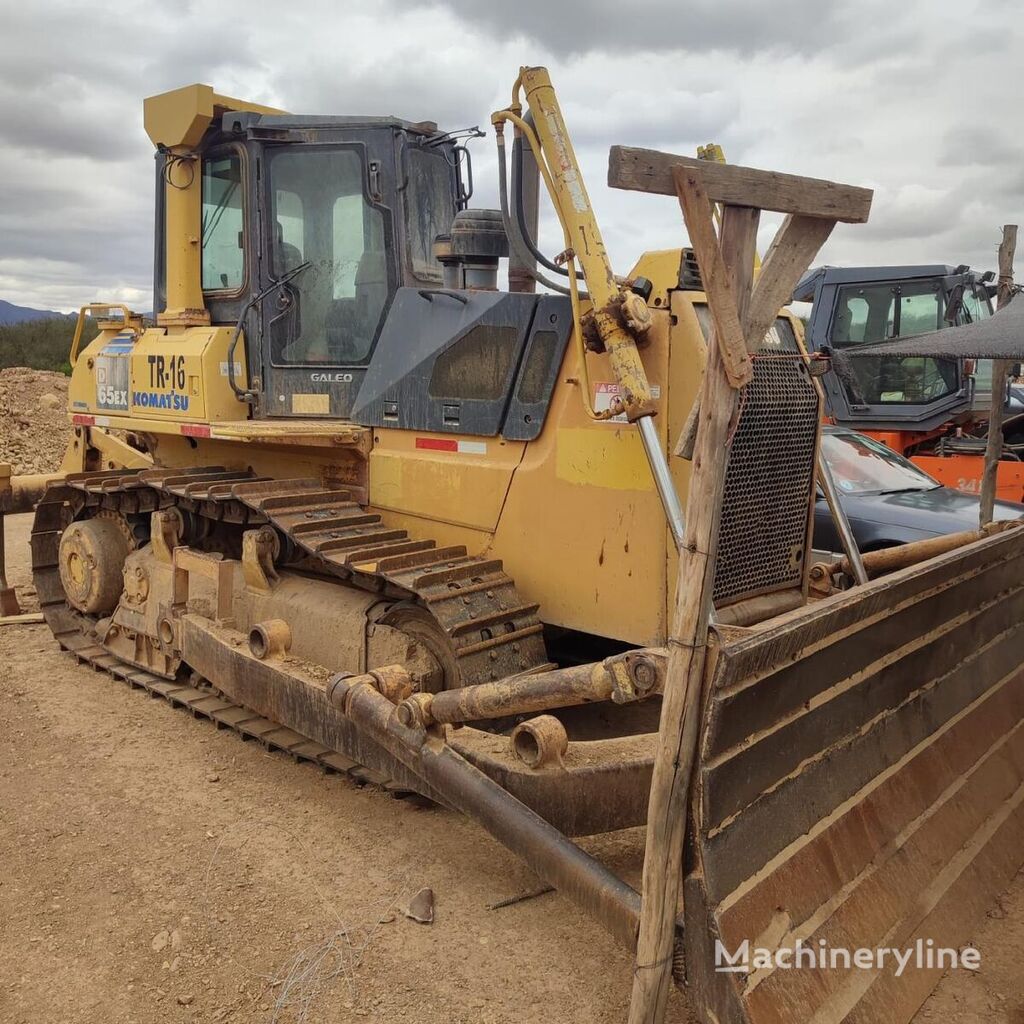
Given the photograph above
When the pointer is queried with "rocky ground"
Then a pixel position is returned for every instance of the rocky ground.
(33, 419)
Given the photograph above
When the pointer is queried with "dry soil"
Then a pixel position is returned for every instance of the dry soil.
(154, 869)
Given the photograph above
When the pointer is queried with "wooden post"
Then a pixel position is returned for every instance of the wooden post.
(1000, 372)
(680, 716)
(8, 598)
(740, 318)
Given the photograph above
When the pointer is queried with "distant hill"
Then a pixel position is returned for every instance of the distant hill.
(12, 314)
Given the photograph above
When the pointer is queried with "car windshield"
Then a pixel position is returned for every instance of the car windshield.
(861, 465)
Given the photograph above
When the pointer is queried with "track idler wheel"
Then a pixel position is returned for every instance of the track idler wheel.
(91, 559)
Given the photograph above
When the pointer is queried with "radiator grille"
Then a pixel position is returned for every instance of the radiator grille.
(762, 544)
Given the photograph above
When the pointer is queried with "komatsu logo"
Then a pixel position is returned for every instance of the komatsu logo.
(153, 400)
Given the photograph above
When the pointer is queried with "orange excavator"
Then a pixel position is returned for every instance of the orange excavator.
(933, 410)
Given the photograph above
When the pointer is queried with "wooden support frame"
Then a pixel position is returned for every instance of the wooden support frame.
(648, 170)
(741, 314)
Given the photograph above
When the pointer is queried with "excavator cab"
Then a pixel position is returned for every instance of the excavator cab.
(309, 226)
(866, 305)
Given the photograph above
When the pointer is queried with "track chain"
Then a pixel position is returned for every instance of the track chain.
(491, 631)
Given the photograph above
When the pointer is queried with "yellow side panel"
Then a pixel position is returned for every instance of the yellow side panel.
(420, 475)
(609, 460)
(582, 531)
(163, 375)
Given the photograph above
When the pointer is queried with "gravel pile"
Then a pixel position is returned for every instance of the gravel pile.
(33, 419)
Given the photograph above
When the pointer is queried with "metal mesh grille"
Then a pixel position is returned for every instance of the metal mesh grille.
(762, 545)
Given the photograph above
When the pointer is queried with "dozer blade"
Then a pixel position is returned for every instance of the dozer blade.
(861, 786)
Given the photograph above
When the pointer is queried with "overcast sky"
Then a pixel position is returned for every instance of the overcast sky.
(918, 100)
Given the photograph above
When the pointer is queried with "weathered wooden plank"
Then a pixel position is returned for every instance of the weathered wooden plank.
(718, 286)
(681, 705)
(791, 252)
(24, 619)
(648, 170)
(1000, 371)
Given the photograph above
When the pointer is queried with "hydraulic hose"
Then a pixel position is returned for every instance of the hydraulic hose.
(524, 231)
(518, 242)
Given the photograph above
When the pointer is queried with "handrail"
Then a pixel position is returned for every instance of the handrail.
(128, 316)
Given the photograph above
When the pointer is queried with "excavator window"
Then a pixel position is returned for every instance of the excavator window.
(321, 217)
(975, 306)
(223, 254)
(873, 313)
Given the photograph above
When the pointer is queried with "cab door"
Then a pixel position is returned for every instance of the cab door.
(885, 392)
(328, 241)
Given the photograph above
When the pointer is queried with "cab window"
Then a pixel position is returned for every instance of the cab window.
(873, 313)
(223, 254)
(975, 305)
(431, 181)
(322, 223)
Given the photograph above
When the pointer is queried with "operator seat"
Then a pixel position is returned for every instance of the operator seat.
(371, 287)
(841, 333)
(286, 256)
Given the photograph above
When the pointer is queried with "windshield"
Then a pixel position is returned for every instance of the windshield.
(862, 465)
(866, 314)
(321, 217)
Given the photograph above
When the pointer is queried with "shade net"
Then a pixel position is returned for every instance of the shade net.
(1001, 336)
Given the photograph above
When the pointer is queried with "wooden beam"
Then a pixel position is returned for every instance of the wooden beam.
(679, 730)
(722, 298)
(795, 245)
(25, 619)
(647, 170)
(1000, 372)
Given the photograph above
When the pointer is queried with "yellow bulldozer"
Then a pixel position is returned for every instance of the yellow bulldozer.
(351, 499)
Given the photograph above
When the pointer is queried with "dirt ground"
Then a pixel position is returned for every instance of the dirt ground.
(33, 419)
(155, 869)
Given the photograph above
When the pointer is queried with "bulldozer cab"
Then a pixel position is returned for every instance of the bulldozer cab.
(866, 305)
(309, 226)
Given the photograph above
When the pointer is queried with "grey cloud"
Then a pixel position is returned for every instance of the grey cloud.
(733, 26)
(973, 145)
(901, 96)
